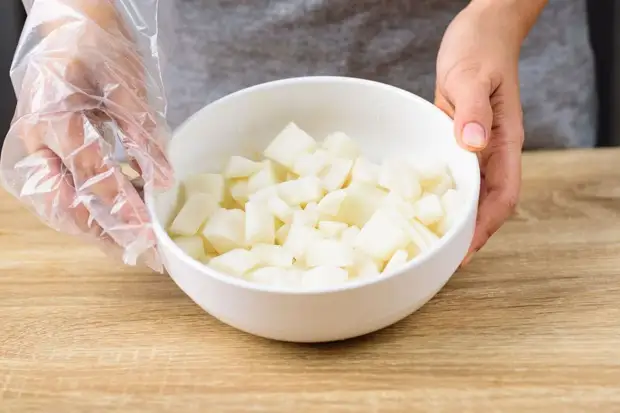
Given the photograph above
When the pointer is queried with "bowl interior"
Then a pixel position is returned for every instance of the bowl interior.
(385, 121)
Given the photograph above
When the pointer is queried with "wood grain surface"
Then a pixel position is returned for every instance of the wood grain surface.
(532, 325)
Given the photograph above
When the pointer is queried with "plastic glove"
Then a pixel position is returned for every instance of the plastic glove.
(84, 81)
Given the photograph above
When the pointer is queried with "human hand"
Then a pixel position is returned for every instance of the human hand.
(478, 86)
(79, 81)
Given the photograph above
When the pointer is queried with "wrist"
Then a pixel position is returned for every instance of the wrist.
(517, 17)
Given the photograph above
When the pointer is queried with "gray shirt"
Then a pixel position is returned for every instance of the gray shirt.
(221, 46)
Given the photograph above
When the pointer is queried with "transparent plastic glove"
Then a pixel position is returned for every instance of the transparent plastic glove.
(85, 80)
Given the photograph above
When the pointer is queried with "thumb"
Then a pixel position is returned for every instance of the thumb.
(473, 115)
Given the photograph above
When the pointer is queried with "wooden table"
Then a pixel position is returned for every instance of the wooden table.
(532, 325)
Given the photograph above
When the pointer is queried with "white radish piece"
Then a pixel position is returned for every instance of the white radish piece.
(193, 214)
(311, 164)
(225, 230)
(340, 145)
(282, 233)
(398, 260)
(349, 235)
(192, 246)
(329, 205)
(240, 167)
(364, 266)
(235, 262)
(331, 229)
(381, 236)
(299, 239)
(365, 171)
(280, 209)
(329, 253)
(239, 191)
(212, 184)
(360, 202)
(264, 178)
(301, 191)
(273, 255)
(428, 209)
(336, 174)
(259, 224)
(323, 277)
(399, 177)
(289, 145)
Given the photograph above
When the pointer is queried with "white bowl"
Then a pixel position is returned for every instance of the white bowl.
(386, 121)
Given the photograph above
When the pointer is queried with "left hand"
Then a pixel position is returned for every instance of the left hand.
(478, 86)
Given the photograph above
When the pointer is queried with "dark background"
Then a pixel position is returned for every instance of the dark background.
(604, 18)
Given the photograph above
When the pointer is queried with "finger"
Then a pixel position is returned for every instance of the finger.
(142, 130)
(502, 166)
(473, 115)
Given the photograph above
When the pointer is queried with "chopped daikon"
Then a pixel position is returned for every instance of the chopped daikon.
(282, 233)
(193, 214)
(239, 191)
(336, 174)
(235, 262)
(259, 224)
(360, 202)
(429, 169)
(399, 177)
(301, 191)
(273, 255)
(399, 258)
(332, 229)
(311, 164)
(340, 145)
(349, 235)
(329, 253)
(364, 266)
(240, 167)
(329, 205)
(365, 171)
(323, 277)
(309, 216)
(212, 184)
(428, 209)
(299, 239)
(264, 195)
(395, 201)
(291, 143)
(192, 246)
(280, 209)
(225, 230)
(439, 187)
(264, 178)
(381, 236)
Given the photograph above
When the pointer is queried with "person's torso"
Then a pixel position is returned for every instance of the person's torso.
(224, 45)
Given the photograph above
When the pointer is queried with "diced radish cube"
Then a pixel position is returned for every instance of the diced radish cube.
(264, 178)
(240, 167)
(349, 235)
(398, 260)
(336, 174)
(340, 145)
(330, 204)
(428, 209)
(193, 214)
(273, 255)
(329, 253)
(324, 277)
(311, 164)
(365, 171)
(282, 233)
(280, 209)
(259, 224)
(300, 238)
(381, 236)
(191, 246)
(360, 202)
(332, 229)
(212, 184)
(235, 262)
(225, 230)
(399, 177)
(301, 191)
(291, 143)
(239, 191)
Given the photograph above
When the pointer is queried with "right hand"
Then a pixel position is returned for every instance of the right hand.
(84, 76)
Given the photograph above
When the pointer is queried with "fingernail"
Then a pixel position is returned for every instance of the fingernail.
(474, 135)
